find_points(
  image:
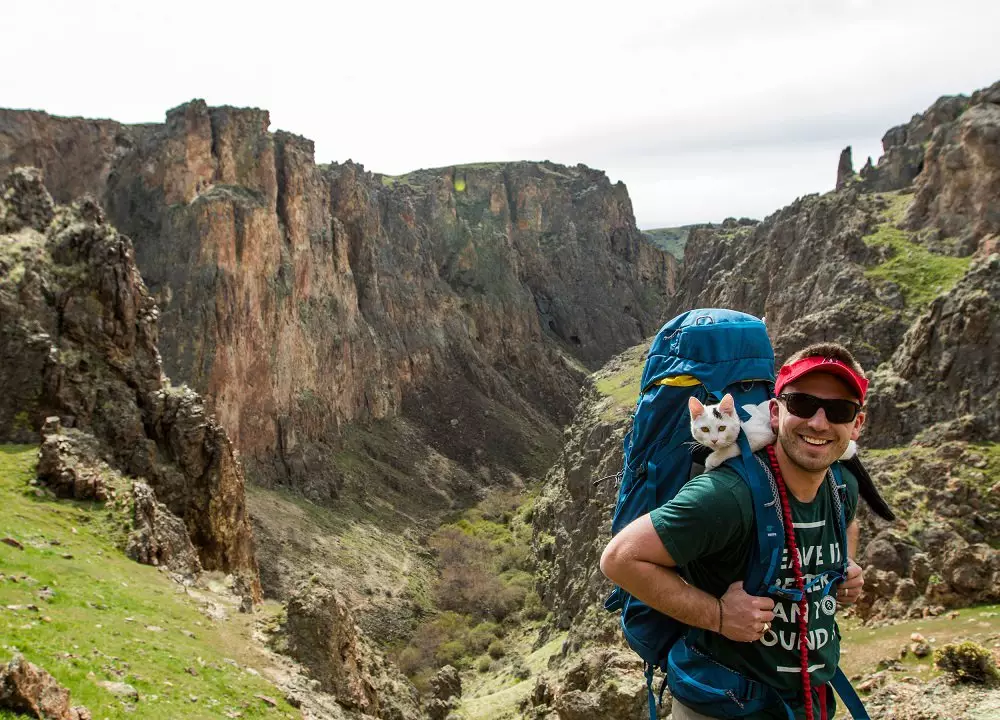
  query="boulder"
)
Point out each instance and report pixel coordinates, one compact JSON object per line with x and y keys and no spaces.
{"x":446,"y":683}
{"x":27,"y":688}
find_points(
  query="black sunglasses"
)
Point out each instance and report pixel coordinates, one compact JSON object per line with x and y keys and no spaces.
{"x":804,"y":405}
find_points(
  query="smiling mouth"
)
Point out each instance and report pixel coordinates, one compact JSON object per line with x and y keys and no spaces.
{"x":815,"y":440}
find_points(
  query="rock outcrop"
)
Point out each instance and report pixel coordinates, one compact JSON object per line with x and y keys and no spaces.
{"x":845,"y":168}
{"x":303,"y":299}
{"x":941,"y":382}
{"x":79,"y":343}
{"x":903,"y":146}
{"x":26,"y":688}
{"x":957,"y":192}
{"x":596,"y":676}
{"x":940,"y":552}
{"x":322,"y":635}
{"x":159,"y":537}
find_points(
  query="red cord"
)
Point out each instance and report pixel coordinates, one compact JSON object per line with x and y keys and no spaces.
{"x":799,"y":582}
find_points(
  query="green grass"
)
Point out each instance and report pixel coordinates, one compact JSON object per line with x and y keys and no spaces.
{"x":862,"y":648}
{"x":496,"y":695}
{"x":97,"y":625}
{"x":621,"y":390}
{"x":920,"y":274}
{"x":671,"y":240}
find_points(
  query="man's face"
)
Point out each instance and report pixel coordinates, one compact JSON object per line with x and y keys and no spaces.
{"x":815,"y":443}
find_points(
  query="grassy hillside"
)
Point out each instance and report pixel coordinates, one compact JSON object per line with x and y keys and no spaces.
{"x":71,"y":602}
{"x":671,"y":240}
{"x":920,"y":274}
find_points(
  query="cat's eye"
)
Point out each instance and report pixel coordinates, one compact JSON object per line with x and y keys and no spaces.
{"x":722,"y":428}
{"x":704,"y":428}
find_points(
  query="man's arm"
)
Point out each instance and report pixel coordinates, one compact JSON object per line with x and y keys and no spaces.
{"x":637,"y":562}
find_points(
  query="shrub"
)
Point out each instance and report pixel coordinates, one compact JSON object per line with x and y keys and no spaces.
{"x":519,"y":668}
{"x":533,"y":608}
{"x":484,"y":664}
{"x":968,"y":662}
{"x":482,"y":635}
{"x":497,"y":649}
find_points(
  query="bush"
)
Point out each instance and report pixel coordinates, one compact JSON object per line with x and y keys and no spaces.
{"x":482,"y":635}
{"x":967,"y":662}
{"x":453,"y":652}
{"x":533,"y":608}
{"x":497,"y":649}
{"x":484,"y":664}
{"x":519,"y":668}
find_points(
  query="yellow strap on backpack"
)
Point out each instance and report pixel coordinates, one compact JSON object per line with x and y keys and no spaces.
{"x":679,"y":381}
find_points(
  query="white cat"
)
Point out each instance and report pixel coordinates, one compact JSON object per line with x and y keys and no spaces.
{"x":718,"y":426}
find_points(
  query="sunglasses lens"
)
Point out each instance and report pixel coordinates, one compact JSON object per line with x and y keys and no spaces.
{"x":804,"y":405}
{"x":840,"y":411}
{"x":801,"y":405}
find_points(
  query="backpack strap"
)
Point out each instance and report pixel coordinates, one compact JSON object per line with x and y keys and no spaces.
{"x":840,"y":501}
{"x":849,"y":696}
{"x":765,"y":556}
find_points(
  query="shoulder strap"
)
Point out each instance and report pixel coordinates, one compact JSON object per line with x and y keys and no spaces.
{"x":765,"y":555}
{"x":839,"y":492}
{"x":849,"y":696}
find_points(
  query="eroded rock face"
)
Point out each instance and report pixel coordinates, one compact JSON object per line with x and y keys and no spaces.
{"x":946,"y":368}
{"x":903,"y":146}
{"x":597,"y":684}
{"x":304,"y":298}
{"x":958,"y":190}
{"x":803,"y":268}
{"x":69,"y":463}
{"x":322,"y":635}
{"x":159,"y":537}
{"x":26,"y":688}
{"x":79,"y":334}
{"x":845,"y":168}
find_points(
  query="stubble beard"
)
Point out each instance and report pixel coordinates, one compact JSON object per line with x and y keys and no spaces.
{"x":791,"y":445}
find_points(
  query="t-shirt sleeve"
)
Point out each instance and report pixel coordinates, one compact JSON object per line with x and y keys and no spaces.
{"x":704,"y":518}
{"x":851,"y":506}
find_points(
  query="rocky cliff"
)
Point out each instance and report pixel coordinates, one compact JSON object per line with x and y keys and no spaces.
{"x":304,"y":298}
{"x":79,"y":333}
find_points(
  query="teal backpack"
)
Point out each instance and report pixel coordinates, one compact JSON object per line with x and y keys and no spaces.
{"x":704,"y":353}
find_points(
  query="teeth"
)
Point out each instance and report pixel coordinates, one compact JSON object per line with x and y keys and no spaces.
{"x":814,"y":441}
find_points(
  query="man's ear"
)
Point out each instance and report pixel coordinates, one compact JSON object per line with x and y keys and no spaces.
{"x":859,"y":422}
{"x":773,"y":407}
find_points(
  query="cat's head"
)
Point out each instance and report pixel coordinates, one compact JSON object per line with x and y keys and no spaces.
{"x":714,"y":426}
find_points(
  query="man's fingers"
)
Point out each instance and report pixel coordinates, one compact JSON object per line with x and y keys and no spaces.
{"x":763,"y":603}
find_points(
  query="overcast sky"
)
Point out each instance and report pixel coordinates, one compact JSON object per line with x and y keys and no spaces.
{"x":703,"y":108}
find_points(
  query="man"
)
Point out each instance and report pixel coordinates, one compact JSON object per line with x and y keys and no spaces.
{"x":708,"y":529}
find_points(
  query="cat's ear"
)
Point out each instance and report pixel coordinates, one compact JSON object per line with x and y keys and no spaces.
{"x":695,"y":406}
{"x":728,"y":404}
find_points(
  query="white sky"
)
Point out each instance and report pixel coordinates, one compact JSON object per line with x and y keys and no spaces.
{"x":704,"y":108}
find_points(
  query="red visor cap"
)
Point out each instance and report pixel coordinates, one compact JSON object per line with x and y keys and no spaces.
{"x":791,"y":373}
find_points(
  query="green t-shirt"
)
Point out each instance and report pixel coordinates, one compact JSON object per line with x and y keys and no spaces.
{"x":708,"y":529}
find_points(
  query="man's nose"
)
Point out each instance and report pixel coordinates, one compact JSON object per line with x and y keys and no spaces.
{"x":818,"y":421}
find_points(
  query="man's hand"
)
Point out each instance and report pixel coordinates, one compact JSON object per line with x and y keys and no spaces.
{"x":745,"y":618}
{"x":850,"y":588}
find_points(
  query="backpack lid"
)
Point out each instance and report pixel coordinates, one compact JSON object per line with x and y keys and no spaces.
{"x":707,"y":343}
